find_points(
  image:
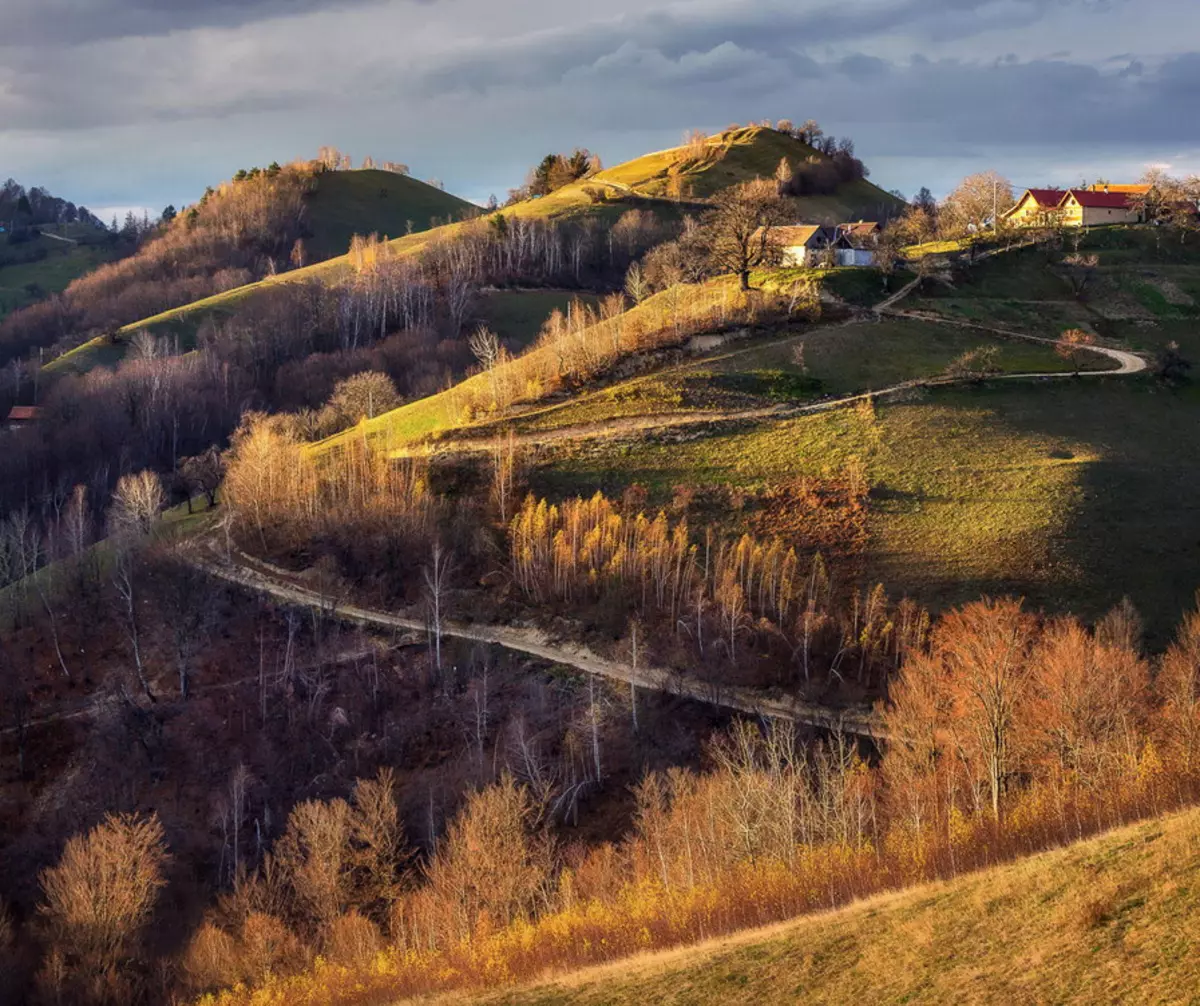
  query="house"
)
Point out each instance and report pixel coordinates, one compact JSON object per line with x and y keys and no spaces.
{"x":23,"y":415}
{"x":803,"y":244}
{"x":1036,"y":207}
{"x":857,"y":242}
{"x":1098,"y":207}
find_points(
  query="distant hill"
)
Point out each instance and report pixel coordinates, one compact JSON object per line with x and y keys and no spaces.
{"x":345,"y":203}
{"x":726,"y":159}
{"x":235,"y":234}
{"x":45,"y":259}
{"x":1113,"y":919}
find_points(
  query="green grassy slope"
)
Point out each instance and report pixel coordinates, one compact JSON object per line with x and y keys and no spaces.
{"x":46,"y":263}
{"x":747,"y":153}
{"x":343,"y":204}
{"x":346,"y":203}
{"x":1072,"y":493}
{"x":1113,"y":919}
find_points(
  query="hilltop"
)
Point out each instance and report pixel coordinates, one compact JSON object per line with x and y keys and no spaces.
{"x":241,"y":231}
{"x":1113,"y":919}
{"x":723,"y":160}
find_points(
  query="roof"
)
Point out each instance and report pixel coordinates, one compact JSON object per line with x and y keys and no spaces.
{"x":1136,"y":189}
{"x":795,"y":235}
{"x":19,"y":413}
{"x":862,"y":228}
{"x":1099,"y":200}
{"x":1046,"y":197}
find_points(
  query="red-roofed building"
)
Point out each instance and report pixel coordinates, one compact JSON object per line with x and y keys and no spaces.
{"x":23,"y":415}
{"x":1097,"y":208}
{"x":1036,"y":207}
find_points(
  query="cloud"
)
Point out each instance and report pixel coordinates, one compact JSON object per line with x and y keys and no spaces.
{"x":55,"y":23}
{"x":920,"y":84}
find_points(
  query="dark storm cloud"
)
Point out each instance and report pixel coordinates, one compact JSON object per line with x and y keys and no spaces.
{"x":908,"y":79}
{"x":54,"y":23}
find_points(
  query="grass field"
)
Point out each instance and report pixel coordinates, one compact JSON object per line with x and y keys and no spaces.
{"x":1113,"y":919}
{"x":1071,"y":493}
{"x":517,"y":316}
{"x":62,"y":262}
{"x":799,"y":366}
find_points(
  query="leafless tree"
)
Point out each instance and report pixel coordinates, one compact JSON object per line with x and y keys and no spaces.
{"x":737,"y":236}
{"x":436,"y":576}
{"x":137,"y":502}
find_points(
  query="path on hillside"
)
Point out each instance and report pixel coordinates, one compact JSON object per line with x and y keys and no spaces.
{"x":263,"y":578}
{"x":1127,"y":364}
{"x":58,"y":237}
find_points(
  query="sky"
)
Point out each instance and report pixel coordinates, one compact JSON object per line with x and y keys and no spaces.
{"x":141,"y":103}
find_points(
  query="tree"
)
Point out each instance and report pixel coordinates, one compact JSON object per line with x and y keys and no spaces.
{"x":137,"y":502}
{"x":169,"y":214}
{"x":104,"y":888}
{"x":980,"y":199}
{"x":975,"y":364}
{"x":924,"y":200}
{"x":436,"y":576}
{"x":368,"y":395}
{"x":1072,"y":345}
{"x":635,"y":283}
{"x":811,"y":132}
{"x":738,"y":232}
{"x":488,"y":862}
{"x":203,"y":474}
{"x":982,"y":655}
{"x":1170,"y":364}
{"x":1080,"y":271}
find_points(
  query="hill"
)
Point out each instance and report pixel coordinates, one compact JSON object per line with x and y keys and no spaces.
{"x":1113,"y":919}
{"x":48,"y":261}
{"x":726,"y":159}
{"x":366,"y":201}
{"x":238,"y":232}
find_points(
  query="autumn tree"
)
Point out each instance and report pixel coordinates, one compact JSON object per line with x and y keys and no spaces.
{"x":489,"y":862}
{"x":979,"y":200}
{"x":1073,"y":344}
{"x":1080,"y":270}
{"x":103,"y":890}
{"x":364,"y":396}
{"x":982,"y":653}
{"x":737,"y":234}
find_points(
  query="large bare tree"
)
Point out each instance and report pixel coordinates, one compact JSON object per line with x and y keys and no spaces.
{"x":737,"y":236}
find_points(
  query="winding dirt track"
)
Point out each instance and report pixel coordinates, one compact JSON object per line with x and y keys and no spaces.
{"x":263,"y":578}
{"x":1127,"y":364}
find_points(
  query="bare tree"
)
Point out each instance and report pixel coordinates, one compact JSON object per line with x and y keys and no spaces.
{"x":1073,"y":344}
{"x":737,"y":236}
{"x":137,"y":502}
{"x":125,"y":579}
{"x":364,"y":395}
{"x":436,"y":576}
{"x":203,"y":474}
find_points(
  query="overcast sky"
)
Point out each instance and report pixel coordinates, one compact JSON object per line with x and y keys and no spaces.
{"x":144,"y":102}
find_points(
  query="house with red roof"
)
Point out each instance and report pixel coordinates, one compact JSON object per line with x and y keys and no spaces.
{"x":1098,"y":207}
{"x":23,"y":415}
{"x":1036,"y":207}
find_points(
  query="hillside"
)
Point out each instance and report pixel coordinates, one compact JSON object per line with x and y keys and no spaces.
{"x":345,"y":203}
{"x":728,"y":159}
{"x":1113,"y":919}
{"x":49,"y":262}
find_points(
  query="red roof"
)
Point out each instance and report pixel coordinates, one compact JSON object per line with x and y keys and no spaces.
{"x":23,"y":412}
{"x":1047,"y":197}
{"x":1102,"y":200}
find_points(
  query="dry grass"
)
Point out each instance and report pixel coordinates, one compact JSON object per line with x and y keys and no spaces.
{"x":1113,"y":919}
